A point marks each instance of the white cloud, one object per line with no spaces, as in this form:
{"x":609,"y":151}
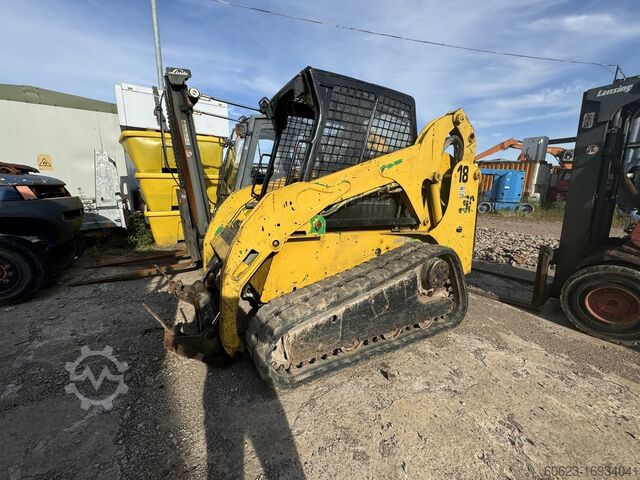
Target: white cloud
{"x":543,"y":104}
{"x":84,"y":48}
{"x":590,"y":24}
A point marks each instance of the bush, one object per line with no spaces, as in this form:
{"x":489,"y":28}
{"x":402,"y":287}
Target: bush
{"x":137,"y":236}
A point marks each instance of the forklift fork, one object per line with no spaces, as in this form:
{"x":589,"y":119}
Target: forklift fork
{"x":541,"y":287}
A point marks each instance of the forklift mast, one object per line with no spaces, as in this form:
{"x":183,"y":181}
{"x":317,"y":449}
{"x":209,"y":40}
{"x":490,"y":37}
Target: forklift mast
{"x":195,"y":209}
{"x":606,"y":151}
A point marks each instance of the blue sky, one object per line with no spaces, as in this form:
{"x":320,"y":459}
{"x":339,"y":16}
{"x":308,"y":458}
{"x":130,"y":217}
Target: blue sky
{"x":83,"y":47}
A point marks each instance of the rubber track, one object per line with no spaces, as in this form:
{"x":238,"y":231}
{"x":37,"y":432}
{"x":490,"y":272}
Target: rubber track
{"x":274,"y":319}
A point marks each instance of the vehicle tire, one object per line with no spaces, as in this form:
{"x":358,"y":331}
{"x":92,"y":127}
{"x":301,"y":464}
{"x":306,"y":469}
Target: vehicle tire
{"x":604,"y":301}
{"x":63,"y":256}
{"x":525,"y":208}
{"x":484,"y":207}
{"x":23,"y":269}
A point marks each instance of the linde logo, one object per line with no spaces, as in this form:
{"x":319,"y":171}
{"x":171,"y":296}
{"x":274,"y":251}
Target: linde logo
{"x":611,"y":91}
{"x":179,"y":71}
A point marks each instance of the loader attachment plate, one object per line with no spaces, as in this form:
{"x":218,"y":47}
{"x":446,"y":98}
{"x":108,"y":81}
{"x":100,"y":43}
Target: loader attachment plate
{"x":407,"y":294}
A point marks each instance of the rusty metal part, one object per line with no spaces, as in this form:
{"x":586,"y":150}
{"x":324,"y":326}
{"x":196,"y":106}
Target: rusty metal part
{"x":482,"y":268}
{"x":436,"y":274}
{"x":204,"y":347}
{"x":157,"y":317}
{"x":626,"y":253}
{"x":179,"y":267}
{"x":174,"y":254}
{"x":634,"y":238}
{"x":614,"y":305}
{"x":26,"y":192}
{"x":540,"y":282}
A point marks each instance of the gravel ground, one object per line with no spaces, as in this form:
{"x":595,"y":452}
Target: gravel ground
{"x":507,"y":394}
{"x":513,"y":248}
{"x":504,"y":223}
{"x":515,"y":240}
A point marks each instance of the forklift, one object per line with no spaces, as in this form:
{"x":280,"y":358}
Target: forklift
{"x":597,"y":277}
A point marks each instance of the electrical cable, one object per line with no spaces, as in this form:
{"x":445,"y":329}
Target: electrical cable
{"x":410,"y":39}
{"x":201,"y":112}
{"x":240,"y":105}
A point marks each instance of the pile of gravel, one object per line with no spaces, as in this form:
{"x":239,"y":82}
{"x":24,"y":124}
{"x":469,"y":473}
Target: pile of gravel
{"x":518,"y":249}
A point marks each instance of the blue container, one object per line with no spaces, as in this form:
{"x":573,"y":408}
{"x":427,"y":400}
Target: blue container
{"x":505,"y":193}
{"x":507,"y":185}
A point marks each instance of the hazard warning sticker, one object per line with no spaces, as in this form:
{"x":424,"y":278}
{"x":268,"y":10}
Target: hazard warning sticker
{"x":44,"y":162}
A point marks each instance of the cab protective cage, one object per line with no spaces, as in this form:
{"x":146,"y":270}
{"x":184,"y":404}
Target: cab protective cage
{"x":354,"y":121}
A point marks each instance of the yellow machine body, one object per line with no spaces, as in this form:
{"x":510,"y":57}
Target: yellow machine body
{"x":280,"y":244}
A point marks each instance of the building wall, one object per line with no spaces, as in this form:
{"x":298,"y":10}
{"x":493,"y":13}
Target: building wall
{"x":69,"y":136}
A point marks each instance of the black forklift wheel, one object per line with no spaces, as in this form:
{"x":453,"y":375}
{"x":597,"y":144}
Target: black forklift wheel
{"x":63,"y":256}
{"x":525,"y":208}
{"x":604,"y":301}
{"x":484,"y":207}
{"x":23,"y":269}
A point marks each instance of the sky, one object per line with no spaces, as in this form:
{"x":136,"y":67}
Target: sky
{"x":84,"y":47}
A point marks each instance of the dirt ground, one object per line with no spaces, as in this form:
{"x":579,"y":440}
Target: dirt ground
{"x":541,"y":227}
{"x":507,"y":394}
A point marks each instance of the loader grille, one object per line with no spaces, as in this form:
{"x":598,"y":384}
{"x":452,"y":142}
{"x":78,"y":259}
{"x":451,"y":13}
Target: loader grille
{"x":292,"y":148}
{"x":361,"y":126}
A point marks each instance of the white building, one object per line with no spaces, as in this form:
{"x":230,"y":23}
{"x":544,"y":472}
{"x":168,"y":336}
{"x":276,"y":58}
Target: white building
{"x":71,"y":138}
{"x":76,"y":140}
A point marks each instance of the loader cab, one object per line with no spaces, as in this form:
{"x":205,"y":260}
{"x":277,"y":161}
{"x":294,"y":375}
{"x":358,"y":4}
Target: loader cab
{"x":325,"y":123}
{"x":244,"y":163}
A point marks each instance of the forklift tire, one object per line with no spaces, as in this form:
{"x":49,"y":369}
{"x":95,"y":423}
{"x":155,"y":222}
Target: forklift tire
{"x":525,"y":208}
{"x":23,"y":269}
{"x":604,"y":301}
{"x":63,"y":256}
{"x":484,"y":207}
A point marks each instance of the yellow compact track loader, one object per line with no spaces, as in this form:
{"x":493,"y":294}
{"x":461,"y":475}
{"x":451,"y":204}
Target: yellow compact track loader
{"x":356,"y":242}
